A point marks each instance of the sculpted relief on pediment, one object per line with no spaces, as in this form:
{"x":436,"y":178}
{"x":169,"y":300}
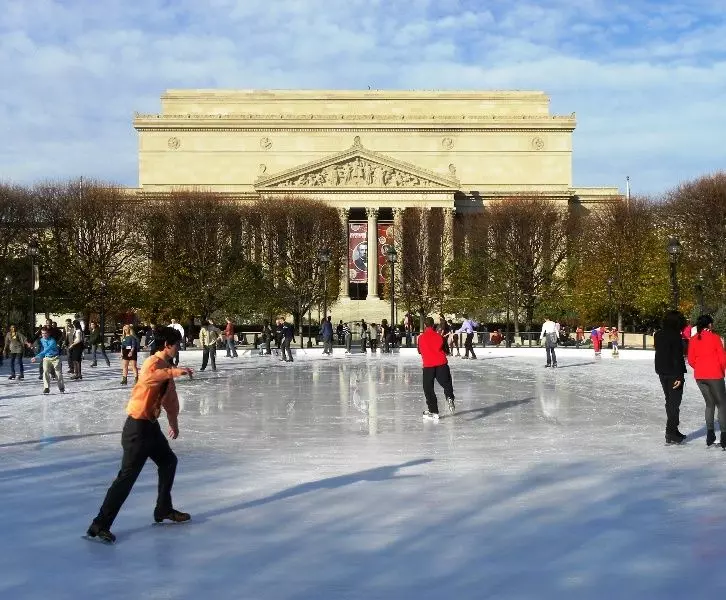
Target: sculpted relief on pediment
{"x":358,"y":172}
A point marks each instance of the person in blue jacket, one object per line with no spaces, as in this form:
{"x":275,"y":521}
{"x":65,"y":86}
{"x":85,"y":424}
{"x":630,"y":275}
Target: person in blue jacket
{"x":49,"y":354}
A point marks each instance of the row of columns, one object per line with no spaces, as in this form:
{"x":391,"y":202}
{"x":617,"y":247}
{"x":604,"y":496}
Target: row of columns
{"x":372,"y":215}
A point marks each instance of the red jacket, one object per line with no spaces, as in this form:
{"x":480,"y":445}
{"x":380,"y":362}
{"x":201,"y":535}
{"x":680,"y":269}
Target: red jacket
{"x":707,"y":356}
{"x":431,"y":348}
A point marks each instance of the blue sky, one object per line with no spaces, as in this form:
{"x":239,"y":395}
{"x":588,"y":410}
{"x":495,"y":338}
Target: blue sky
{"x":647,"y":79}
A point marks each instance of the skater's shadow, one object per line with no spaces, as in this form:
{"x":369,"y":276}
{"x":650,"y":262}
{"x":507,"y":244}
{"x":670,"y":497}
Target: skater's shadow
{"x":54,"y":439}
{"x":582,"y":364}
{"x":699,"y":433}
{"x":486,"y":411}
{"x":377,"y":474}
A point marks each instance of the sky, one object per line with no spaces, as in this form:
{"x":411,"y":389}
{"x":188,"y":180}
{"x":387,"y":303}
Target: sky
{"x":647,"y":79}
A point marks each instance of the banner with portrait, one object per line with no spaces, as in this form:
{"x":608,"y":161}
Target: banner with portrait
{"x":385,"y":241}
{"x":358,"y":252}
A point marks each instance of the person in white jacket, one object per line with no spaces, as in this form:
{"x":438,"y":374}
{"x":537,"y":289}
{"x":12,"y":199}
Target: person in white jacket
{"x":549,"y":335}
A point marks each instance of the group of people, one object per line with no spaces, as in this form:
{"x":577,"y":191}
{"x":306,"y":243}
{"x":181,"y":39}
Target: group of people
{"x":50,"y":343}
{"x":702,"y":347}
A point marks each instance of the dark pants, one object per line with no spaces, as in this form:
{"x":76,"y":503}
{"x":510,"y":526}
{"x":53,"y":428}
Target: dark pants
{"x":442,"y":374}
{"x":286,"y":349}
{"x":231,"y":350}
{"x":13,"y":357}
{"x":267,"y":344}
{"x":673,"y":399}
{"x":714,"y":393}
{"x":363,"y":341}
{"x":102,"y":347}
{"x":469,"y":346}
{"x":140,"y":440}
{"x":551,"y":356}
{"x":328,"y":345}
{"x":209,"y":352}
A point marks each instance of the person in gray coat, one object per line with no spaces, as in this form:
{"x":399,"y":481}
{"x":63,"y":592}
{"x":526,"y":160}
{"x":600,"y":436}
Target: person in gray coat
{"x":15,"y":343}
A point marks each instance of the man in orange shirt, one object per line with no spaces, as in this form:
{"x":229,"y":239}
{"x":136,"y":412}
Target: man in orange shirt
{"x":142,"y":437}
{"x":435,"y":368}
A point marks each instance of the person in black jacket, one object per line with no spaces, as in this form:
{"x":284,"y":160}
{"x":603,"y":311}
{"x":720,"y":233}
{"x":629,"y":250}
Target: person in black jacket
{"x":671,"y":367}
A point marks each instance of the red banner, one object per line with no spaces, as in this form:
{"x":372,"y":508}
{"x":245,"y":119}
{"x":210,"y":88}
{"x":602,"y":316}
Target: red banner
{"x":358,"y":252}
{"x":385,"y":241}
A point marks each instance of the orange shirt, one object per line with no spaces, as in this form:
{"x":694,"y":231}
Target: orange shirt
{"x":154,"y":390}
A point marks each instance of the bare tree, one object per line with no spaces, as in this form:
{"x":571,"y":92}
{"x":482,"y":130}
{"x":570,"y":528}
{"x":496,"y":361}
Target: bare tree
{"x":529,"y":243}
{"x":90,"y":243}
{"x":294,"y":231}
{"x":423,"y":286}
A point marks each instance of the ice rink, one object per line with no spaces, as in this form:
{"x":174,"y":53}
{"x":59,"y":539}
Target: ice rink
{"x":319,"y":480}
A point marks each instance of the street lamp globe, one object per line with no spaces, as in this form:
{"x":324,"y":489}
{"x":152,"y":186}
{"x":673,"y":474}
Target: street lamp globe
{"x":391,"y":255}
{"x":8,"y":279}
{"x":324,"y":256}
{"x":32,"y":248}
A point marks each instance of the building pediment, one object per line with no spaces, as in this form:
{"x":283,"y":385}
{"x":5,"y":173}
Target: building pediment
{"x":358,"y":168}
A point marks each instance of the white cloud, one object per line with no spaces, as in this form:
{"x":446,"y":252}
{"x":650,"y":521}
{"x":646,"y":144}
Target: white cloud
{"x":648,"y":86}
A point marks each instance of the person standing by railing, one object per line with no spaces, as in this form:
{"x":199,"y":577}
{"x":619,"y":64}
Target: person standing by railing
{"x":348,"y":337}
{"x":229,"y":337}
{"x":549,"y":335}
{"x":327,"y":334}
{"x":97,"y":342}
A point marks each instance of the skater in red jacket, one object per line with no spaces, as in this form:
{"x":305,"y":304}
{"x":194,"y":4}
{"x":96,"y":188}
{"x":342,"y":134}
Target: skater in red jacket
{"x":707,"y":357}
{"x":435,"y":367}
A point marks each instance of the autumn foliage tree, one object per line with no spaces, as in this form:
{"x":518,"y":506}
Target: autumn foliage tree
{"x":294,"y":230}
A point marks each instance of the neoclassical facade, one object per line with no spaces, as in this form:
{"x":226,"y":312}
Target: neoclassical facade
{"x":370,"y":154}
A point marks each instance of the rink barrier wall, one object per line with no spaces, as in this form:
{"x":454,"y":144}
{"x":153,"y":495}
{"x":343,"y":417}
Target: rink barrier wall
{"x":530,"y":339}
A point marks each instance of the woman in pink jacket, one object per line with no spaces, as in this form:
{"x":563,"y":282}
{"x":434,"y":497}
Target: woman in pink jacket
{"x":707,"y":357}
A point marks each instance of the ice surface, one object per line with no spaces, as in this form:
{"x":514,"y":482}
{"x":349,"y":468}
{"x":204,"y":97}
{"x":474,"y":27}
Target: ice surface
{"x":319,"y":479}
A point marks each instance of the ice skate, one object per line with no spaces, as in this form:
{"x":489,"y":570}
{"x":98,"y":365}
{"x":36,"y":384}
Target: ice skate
{"x":710,"y":437}
{"x":93,"y":364}
{"x":429,"y":416}
{"x":675,"y":438}
{"x":46,"y":391}
{"x":104,"y":535}
{"x":451,"y":405}
{"x":174,"y":516}
{"x":723,"y":440}
{"x":124,"y":381}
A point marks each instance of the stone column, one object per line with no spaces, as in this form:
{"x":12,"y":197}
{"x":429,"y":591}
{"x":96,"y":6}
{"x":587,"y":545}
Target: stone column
{"x":448,"y":249}
{"x":398,"y":244}
{"x":449,"y":234}
{"x":344,"y":295}
{"x":372,"y":253}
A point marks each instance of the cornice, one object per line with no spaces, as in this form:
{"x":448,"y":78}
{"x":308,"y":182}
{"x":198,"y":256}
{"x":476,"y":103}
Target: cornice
{"x":384,"y":118}
{"x":291,"y":94}
{"x":353,"y":129}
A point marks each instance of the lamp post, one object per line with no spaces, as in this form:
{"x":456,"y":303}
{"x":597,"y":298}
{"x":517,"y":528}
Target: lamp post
{"x":32,"y":249}
{"x":610,"y":302}
{"x":674,"y":250}
{"x":699,"y":293}
{"x":392,"y":257}
{"x":324,"y":258}
{"x":102,"y":325}
{"x":506,"y":334}
{"x":9,"y":292}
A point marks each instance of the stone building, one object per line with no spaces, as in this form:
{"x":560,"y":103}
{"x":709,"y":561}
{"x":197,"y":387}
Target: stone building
{"x":370,"y":154}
